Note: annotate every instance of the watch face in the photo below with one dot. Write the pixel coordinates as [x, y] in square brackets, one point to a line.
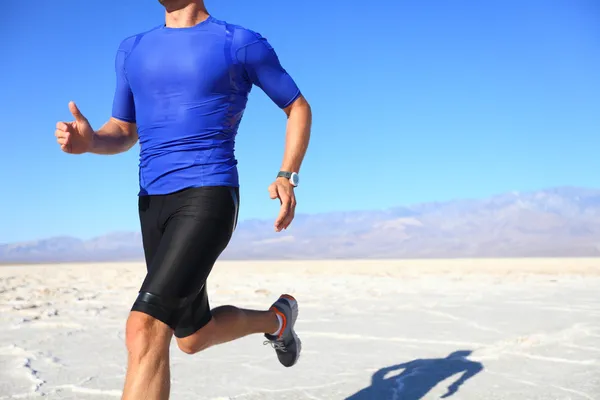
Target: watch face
[295, 179]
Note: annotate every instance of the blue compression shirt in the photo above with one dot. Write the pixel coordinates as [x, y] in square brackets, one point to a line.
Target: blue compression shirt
[186, 89]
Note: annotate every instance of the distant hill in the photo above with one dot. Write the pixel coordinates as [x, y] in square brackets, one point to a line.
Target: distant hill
[559, 222]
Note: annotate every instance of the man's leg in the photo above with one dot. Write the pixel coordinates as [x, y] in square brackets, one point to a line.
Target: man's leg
[198, 327]
[229, 323]
[183, 235]
[147, 339]
[148, 374]
[198, 242]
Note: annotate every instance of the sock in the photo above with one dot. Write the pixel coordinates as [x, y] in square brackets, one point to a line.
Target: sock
[278, 331]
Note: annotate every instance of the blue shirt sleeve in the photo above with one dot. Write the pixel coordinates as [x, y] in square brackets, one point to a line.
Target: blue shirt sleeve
[263, 69]
[123, 105]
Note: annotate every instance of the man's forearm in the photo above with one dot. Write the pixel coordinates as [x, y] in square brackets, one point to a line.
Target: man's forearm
[297, 135]
[114, 138]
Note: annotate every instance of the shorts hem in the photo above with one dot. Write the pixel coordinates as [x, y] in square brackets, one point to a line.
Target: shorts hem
[153, 312]
[179, 331]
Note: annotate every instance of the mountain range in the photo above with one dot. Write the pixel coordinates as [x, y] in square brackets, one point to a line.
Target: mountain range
[557, 222]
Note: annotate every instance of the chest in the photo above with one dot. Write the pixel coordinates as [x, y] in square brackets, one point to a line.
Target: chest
[191, 67]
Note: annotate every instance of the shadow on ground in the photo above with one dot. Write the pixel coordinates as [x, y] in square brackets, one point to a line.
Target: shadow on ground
[419, 377]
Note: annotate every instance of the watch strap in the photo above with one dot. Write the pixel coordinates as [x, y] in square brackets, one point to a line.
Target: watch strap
[284, 174]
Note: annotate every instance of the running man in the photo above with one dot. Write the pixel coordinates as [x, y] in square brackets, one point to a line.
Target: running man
[181, 89]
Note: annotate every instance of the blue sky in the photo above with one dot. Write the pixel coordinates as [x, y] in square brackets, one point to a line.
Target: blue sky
[413, 101]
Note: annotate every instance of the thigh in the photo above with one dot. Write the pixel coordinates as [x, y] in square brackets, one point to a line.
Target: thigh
[199, 225]
[193, 316]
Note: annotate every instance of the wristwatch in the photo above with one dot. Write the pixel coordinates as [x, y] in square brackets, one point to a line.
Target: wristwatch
[292, 176]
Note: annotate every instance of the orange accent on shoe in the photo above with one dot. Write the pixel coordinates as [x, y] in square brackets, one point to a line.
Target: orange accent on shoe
[287, 296]
[283, 321]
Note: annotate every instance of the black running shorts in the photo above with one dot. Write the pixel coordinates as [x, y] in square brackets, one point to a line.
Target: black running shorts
[183, 235]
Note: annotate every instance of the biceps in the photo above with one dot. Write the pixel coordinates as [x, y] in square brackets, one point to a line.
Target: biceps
[265, 71]
[123, 106]
[279, 86]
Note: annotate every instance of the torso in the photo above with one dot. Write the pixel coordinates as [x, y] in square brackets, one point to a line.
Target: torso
[189, 96]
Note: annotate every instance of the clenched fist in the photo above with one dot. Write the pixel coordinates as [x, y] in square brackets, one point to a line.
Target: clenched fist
[74, 137]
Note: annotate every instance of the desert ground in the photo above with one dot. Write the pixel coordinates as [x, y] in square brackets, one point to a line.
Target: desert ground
[411, 329]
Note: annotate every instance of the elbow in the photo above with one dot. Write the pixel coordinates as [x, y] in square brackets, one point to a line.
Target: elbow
[131, 140]
[127, 131]
[300, 105]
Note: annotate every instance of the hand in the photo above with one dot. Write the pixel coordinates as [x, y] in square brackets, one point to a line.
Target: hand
[453, 388]
[283, 190]
[74, 137]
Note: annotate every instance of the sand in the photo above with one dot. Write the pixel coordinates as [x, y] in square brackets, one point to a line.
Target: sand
[512, 329]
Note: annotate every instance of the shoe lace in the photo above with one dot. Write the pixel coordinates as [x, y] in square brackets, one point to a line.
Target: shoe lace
[276, 344]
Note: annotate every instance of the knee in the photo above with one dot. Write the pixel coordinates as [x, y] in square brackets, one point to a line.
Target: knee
[198, 341]
[145, 334]
[190, 347]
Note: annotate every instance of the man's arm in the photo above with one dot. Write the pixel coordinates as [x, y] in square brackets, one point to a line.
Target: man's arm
[296, 142]
[297, 136]
[471, 368]
[119, 134]
[264, 70]
[115, 136]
